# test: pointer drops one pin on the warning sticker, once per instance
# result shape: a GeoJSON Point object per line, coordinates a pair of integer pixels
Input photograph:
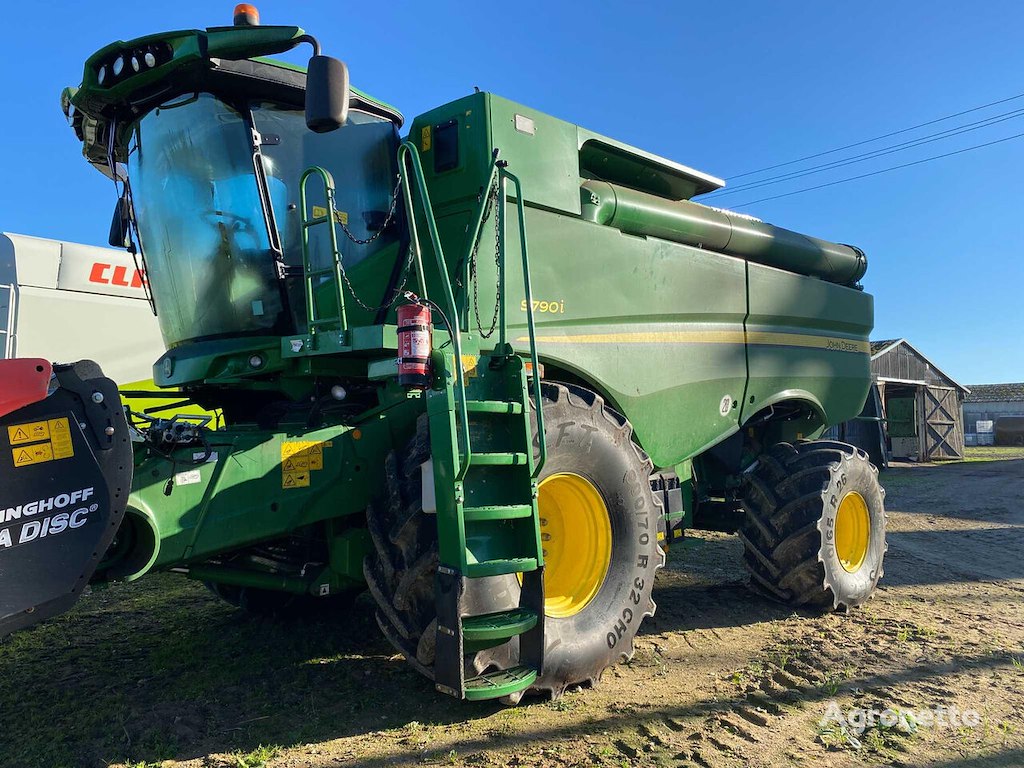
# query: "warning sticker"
{"type": "Point", "coordinates": [28, 433]}
{"type": "Point", "coordinates": [339, 216]}
{"type": "Point", "coordinates": [57, 436]}
{"type": "Point", "coordinates": [469, 363]}
{"type": "Point", "coordinates": [295, 479]}
{"type": "Point", "coordinates": [297, 463]}
{"type": "Point", "coordinates": [189, 477]}
{"type": "Point", "coordinates": [316, 456]}
{"type": "Point", "coordinates": [60, 438]}
{"type": "Point", "coordinates": [32, 454]}
{"type": "Point", "coordinates": [299, 458]}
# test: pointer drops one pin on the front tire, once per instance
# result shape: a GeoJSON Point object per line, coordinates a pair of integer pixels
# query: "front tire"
{"type": "Point", "coordinates": [587, 633]}
{"type": "Point", "coordinates": [814, 525]}
{"type": "Point", "coordinates": [593, 618]}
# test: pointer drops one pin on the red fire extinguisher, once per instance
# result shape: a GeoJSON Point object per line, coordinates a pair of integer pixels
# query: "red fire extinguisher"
{"type": "Point", "coordinates": [414, 346]}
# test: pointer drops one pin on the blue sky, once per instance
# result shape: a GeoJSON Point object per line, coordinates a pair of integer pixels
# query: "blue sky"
{"type": "Point", "coordinates": [723, 87]}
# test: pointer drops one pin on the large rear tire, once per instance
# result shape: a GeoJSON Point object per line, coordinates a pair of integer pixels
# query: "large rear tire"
{"type": "Point", "coordinates": [593, 619]}
{"type": "Point", "coordinates": [814, 525]}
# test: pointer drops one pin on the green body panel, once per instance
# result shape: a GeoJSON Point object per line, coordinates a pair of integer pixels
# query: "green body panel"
{"type": "Point", "coordinates": [684, 341]}
{"type": "Point", "coordinates": [247, 491]}
{"type": "Point", "coordinates": [652, 341]}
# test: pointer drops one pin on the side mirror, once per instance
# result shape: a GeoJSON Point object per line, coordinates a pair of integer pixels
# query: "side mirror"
{"type": "Point", "coordinates": [326, 94]}
{"type": "Point", "coordinates": [118, 237]}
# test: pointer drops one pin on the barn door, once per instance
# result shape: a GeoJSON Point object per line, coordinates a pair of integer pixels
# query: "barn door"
{"type": "Point", "coordinates": [943, 432]}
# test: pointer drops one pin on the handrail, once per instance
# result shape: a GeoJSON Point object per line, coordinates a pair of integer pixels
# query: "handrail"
{"type": "Point", "coordinates": [482, 211]}
{"type": "Point", "coordinates": [407, 153]}
{"type": "Point", "coordinates": [504, 175]}
{"type": "Point", "coordinates": [307, 268]}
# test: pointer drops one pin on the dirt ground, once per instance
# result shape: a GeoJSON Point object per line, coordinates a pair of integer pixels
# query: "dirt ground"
{"type": "Point", "coordinates": [160, 673]}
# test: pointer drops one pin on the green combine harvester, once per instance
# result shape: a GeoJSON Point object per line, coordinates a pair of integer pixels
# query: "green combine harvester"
{"type": "Point", "coordinates": [489, 372]}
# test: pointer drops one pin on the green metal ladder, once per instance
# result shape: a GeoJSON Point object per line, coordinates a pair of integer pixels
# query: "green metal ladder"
{"type": "Point", "coordinates": [485, 474]}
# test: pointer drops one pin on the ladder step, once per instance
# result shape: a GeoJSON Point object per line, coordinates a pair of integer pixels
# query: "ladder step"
{"type": "Point", "coordinates": [494, 685]}
{"type": "Point", "coordinates": [493, 406]}
{"type": "Point", "coordinates": [501, 625]}
{"type": "Point", "coordinates": [318, 272]}
{"type": "Point", "coordinates": [497, 512]}
{"type": "Point", "coordinates": [498, 459]}
{"type": "Point", "coordinates": [501, 567]}
{"type": "Point", "coordinates": [313, 222]}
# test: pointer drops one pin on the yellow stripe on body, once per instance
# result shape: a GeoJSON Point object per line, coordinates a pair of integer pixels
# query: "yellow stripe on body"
{"type": "Point", "coordinates": [758, 338]}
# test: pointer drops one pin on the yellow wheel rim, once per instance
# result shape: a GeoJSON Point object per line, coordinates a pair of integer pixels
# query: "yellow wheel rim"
{"type": "Point", "coordinates": [576, 533]}
{"type": "Point", "coordinates": [853, 531]}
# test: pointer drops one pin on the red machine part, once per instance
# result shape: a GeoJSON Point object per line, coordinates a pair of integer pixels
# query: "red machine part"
{"type": "Point", "coordinates": [414, 346]}
{"type": "Point", "coordinates": [23, 382]}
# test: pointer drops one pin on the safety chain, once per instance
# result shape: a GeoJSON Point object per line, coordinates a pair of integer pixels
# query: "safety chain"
{"type": "Point", "coordinates": [367, 241]}
{"type": "Point", "coordinates": [394, 297]}
{"type": "Point", "coordinates": [384, 226]}
{"type": "Point", "coordinates": [492, 204]}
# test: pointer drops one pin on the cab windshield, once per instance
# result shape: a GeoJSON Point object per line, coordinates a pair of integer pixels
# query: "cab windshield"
{"type": "Point", "coordinates": [203, 212]}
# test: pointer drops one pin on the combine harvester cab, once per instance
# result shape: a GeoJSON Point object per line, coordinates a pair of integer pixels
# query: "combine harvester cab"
{"type": "Point", "coordinates": [65, 475]}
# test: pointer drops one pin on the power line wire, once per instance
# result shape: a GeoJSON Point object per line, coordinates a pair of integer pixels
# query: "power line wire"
{"type": "Point", "coordinates": [876, 138]}
{"type": "Point", "coordinates": [883, 170]}
{"type": "Point", "coordinates": [901, 147]}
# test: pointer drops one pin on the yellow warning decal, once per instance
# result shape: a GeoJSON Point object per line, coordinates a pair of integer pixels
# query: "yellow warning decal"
{"type": "Point", "coordinates": [315, 457]}
{"type": "Point", "coordinates": [425, 139]}
{"type": "Point", "coordinates": [28, 433]}
{"type": "Point", "coordinates": [295, 480]}
{"type": "Point", "coordinates": [298, 459]}
{"type": "Point", "coordinates": [32, 454]}
{"type": "Point", "coordinates": [291, 448]}
{"type": "Point", "coordinates": [296, 463]}
{"type": "Point", "coordinates": [56, 434]}
{"type": "Point", "coordinates": [469, 363]}
{"type": "Point", "coordinates": [339, 216]}
{"type": "Point", "coordinates": [60, 438]}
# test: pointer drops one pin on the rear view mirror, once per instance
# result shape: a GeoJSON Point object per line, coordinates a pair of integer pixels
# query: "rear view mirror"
{"type": "Point", "coordinates": [118, 237]}
{"type": "Point", "coordinates": [326, 94]}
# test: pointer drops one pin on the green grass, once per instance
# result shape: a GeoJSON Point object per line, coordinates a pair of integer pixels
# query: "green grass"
{"type": "Point", "coordinates": [157, 670]}
{"type": "Point", "coordinates": [258, 758]}
{"type": "Point", "coordinates": [993, 453]}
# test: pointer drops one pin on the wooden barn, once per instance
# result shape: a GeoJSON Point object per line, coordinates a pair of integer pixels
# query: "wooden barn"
{"type": "Point", "coordinates": [913, 412]}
